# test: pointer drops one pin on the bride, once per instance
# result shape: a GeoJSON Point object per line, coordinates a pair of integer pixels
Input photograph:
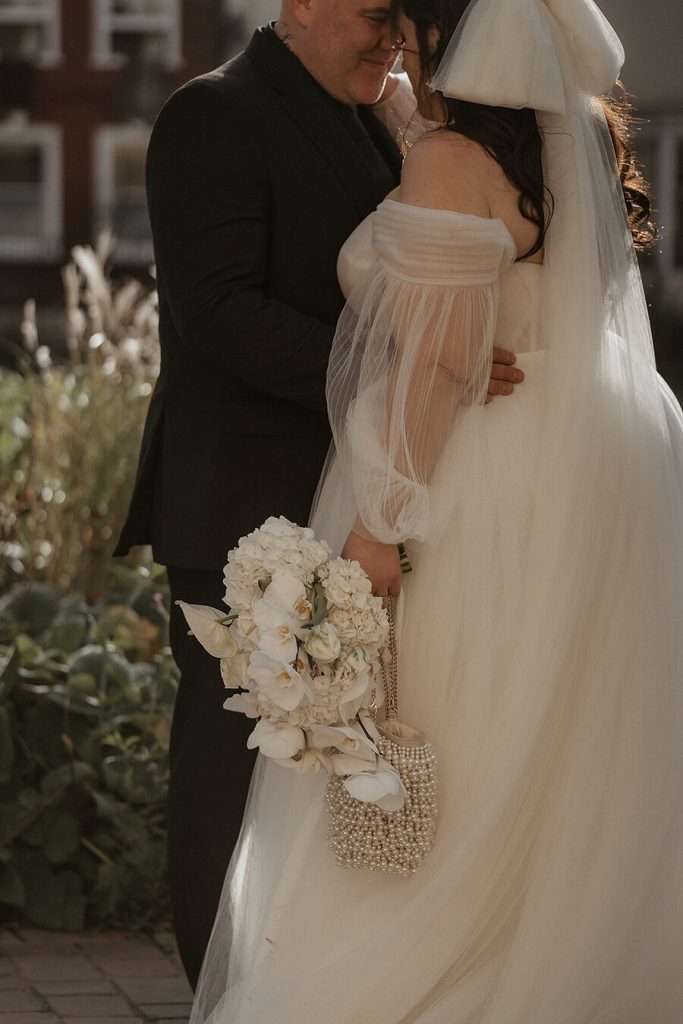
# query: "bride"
{"type": "Point", "coordinates": [540, 640]}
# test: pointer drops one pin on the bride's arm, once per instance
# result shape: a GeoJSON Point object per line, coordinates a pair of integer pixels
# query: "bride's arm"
{"type": "Point", "coordinates": [439, 353]}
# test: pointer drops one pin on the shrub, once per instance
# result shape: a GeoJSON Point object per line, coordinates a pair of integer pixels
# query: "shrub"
{"type": "Point", "coordinates": [86, 697]}
{"type": "Point", "coordinates": [70, 445]}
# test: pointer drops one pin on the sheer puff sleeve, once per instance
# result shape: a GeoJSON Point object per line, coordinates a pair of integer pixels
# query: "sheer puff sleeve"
{"type": "Point", "coordinates": [412, 348]}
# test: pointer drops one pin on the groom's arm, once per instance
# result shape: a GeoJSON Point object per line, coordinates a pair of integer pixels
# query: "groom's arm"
{"type": "Point", "coordinates": [209, 208]}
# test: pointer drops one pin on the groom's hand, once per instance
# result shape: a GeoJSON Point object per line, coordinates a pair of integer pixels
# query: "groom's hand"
{"type": "Point", "coordinates": [504, 374]}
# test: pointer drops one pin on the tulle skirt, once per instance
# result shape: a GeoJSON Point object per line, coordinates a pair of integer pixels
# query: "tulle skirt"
{"type": "Point", "coordinates": [554, 893]}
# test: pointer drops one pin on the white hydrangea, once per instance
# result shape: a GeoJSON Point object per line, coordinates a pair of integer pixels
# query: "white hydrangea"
{"type": "Point", "coordinates": [301, 646]}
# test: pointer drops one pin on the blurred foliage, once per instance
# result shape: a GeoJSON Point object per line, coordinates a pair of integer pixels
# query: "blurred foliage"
{"type": "Point", "coordinates": [86, 698]}
{"type": "Point", "coordinates": [71, 430]}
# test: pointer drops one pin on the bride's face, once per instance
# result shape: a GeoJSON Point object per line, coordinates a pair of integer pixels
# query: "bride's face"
{"type": "Point", "coordinates": [429, 105]}
{"type": "Point", "coordinates": [347, 45]}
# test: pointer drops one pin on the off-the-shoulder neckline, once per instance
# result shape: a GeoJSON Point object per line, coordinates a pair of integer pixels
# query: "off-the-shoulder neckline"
{"type": "Point", "coordinates": [461, 216]}
{"type": "Point", "coordinates": [450, 213]}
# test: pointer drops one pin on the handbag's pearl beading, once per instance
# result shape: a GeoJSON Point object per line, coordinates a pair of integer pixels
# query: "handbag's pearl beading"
{"type": "Point", "coordinates": [361, 835]}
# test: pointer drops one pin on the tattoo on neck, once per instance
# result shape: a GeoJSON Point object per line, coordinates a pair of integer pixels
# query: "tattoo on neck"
{"type": "Point", "coordinates": [283, 33]}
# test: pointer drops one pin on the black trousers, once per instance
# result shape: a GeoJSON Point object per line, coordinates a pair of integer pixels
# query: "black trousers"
{"type": "Point", "coordinates": [210, 773]}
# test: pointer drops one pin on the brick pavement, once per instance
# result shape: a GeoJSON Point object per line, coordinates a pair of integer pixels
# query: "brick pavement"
{"type": "Point", "coordinates": [90, 978]}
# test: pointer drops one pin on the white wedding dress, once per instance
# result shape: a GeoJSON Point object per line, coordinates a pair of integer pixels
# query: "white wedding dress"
{"type": "Point", "coordinates": [554, 893]}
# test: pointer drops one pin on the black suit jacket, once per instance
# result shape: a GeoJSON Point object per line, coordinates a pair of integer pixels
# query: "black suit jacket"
{"type": "Point", "coordinates": [253, 185]}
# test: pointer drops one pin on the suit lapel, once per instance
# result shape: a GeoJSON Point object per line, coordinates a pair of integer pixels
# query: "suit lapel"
{"type": "Point", "coordinates": [382, 140]}
{"type": "Point", "coordinates": [307, 104]}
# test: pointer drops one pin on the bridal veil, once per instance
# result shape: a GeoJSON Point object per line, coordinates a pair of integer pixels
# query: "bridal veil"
{"type": "Point", "coordinates": [556, 893]}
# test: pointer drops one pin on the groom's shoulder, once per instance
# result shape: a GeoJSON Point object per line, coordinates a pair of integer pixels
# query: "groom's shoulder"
{"type": "Point", "coordinates": [235, 88]}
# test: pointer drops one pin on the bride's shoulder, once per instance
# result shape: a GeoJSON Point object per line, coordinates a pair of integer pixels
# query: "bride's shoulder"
{"type": "Point", "coordinates": [445, 170]}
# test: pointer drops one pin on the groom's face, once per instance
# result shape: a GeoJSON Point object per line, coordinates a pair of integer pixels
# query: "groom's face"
{"type": "Point", "coordinates": [347, 47]}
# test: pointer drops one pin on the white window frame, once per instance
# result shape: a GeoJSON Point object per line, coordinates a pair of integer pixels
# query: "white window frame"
{"type": "Point", "coordinates": [49, 15]}
{"type": "Point", "coordinates": [666, 137]}
{"type": "Point", "coordinates": [107, 139]}
{"type": "Point", "coordinates": [105, 23]}
{"type": "Point", "coordinates": [50, 246]}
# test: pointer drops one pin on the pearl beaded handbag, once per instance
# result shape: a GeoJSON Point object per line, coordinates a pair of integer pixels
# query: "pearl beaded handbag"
{"type": "Point", "coordinates": [362, 835]}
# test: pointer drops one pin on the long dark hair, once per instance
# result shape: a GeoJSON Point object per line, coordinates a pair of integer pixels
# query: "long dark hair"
{"type": "Point", "coordinates": [512, 136]}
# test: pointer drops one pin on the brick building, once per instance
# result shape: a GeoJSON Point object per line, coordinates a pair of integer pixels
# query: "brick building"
{"type": "Point", "coordinates": [80, 84]}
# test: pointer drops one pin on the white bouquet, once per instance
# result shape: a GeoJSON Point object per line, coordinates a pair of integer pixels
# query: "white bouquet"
{"type": "Point", "coordinates": [302, 645]}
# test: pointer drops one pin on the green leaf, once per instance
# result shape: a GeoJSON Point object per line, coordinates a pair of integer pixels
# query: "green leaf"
{"type": "Point", "coordinates": [44, 729]}
{"type": "Point", "coordinates": [56, 782]}
{"type": "Point", "coordinates": [12, 889]}
{"type": "Point", "coordinates": [34, 606]}
{"type": "Point", "coordinates": [319, 610]}
{"type": "Point", "coordinates": [67, 634]}
{"type": "Point", "coordinates": [6, 746]}
{"type": "Point", "coordinates": [73, 915]}
{"type": "Point", "coordinates": [53, 899]}
{"type": "Point", "coordinates": [10, 662]}
{"type": "Point", "coordinates": [62, 836]}
{"type": "Point", "coordinates": [44, 901]}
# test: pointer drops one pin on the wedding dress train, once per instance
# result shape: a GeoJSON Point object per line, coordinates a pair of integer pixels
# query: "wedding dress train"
{"type": "Point", "coordinates": [551, 692]}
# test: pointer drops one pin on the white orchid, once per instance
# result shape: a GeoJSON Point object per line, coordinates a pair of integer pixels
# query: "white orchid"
{"type": "Point", "coordinates": [275, 632]}
{"type": "Point", "coordinates": [244, 703]}
{"type": "Point", "coordinates": [279, 681]}
{"type": "Point", "coordinates": [288, 594]}
{"type": "Point", "coordinates": [209, 627]}
{"type": "Point", "coordinates": [308, 687]}
{"type": "Point", "coordinates": [382, 786]}
{"type": "Point", "coordinates": [277, 740]}
{"type": "Point", "coordinates": [346, 739]}
{"type": "Point", "coordinates": [235, 671]}
{"type": "Point", "coordinates": [306, 760]}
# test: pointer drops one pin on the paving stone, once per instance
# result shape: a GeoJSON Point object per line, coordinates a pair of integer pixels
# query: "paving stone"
{"type": "Point", "coordinates": [52, 940]}
{"type": "Point", "coordinates": [168, 1011]}
{"type": "Point", "coordinates": [58, 968]}
{"type": "Point", "coordinates": [16, 1001]}
{"type": "Point", "coordinates": [76, 987]}
{"type": "Point", "coordinates": [122, 949]}
{"type": "Point", "coordinates": [156, 990]}
{"type": "Point", "coordinates": [89, 1006]}
{"type": "Point", "coordinates": [12, 981]}
{"type": "Point", "coordinates": [144, 968]}
{"type": "Point", "coordinates": [28, 1018]}
{"type": "Point", "coordinates": [166, 940]}
{"type": "Point", "coordinates": [104, 1020]}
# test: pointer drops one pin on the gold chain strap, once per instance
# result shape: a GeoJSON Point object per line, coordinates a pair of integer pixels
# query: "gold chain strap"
{"type": "Point", "coordinates": [390, 674]}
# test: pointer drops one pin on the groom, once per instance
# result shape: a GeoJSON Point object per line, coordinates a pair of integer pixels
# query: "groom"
{"type": "Point", "coordinates": [257, 173]}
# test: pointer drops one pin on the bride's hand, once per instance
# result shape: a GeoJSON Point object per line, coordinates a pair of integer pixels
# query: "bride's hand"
{"type": "Point", "coordinates": [380, 561]}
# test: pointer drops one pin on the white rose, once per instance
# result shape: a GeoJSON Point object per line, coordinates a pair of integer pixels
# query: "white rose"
{"type": "Point", "coordinates": [323, 643]}
{"type": "Point", "coordinates": [278, 741]}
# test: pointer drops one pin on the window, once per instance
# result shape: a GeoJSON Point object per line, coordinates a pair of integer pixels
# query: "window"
{"type": "Point", "coordinates": [30, 31]}
{"type": "Point", "coordinates": [30, 192]}
{"type": "Point", "coordinates": [121, 202]}
{"type": "Point", "coordinates": [660, 149]}
{"type": "Point", "coordinates": [137, 30]}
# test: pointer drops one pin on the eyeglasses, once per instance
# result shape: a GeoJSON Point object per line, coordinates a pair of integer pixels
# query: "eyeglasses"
{"type": "Point", "coordinates": [399, 46]}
